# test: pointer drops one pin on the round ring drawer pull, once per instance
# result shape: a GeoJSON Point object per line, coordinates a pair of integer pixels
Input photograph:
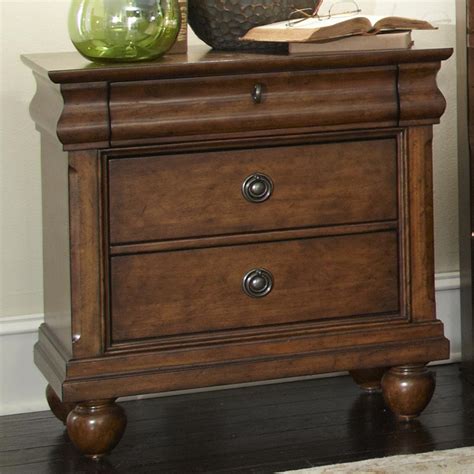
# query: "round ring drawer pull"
{"type": "Point", "coordinates": [257, 188]}
{"type": "Point", "coordinates": [257, 283]}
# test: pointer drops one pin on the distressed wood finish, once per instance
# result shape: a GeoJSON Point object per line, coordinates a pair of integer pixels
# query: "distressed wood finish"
{"type": "Point", "coordinates": [149, 236]}
{"type": "Point", "coordinates": [420, 223]}
{"type": "Point", "coordinates": [172, 197]}
{"type": "Point", "coordinates": [420, 98]}
{"type": "Point", "coordinates": [201, 290]}
{"type": "Point", "coordinates": [87, 273]}
{"type": "Point", "coordinates": [387, 88]}
{"type": "Point", "coordinates": [84, 122]}
{"type": "Point", "coordinates": [225, 105]}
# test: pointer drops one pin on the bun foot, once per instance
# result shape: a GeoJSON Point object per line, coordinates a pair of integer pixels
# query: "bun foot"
{"type": "Point", "coordinates": [368, 380]}
{"type": "Point", "coordinates": [96, 427]}
{"type": "Point", "coordinates": [407, 390]}
{"type": "Point", "coordinates": [60, 409]}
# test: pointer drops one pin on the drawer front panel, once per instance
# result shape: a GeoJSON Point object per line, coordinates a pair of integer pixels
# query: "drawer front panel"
{"type": "Point", "coordinates": [201, 194]}
{"type": "Point", "coordinates": [151, 110]}
{"type": "Point", "coordinates": [192, 291]}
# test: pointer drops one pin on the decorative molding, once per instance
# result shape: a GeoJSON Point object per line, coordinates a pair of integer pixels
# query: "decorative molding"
{"type": "Point", "coordinates": [19, 332]}
{"type": "Point", "coordinates": [84, 122]}
{"type": "Point", "coordinates": [421, 101]}
{"type": "Point", "coordinates": [448, 281]}
{"type": "Point", "coordinates": [97, 107]}
{"type": "Point", "coordinates": [23, 324]}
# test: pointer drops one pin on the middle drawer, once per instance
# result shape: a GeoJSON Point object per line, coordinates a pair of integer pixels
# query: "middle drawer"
{"type": "Point", "coordinates": [239, 191]}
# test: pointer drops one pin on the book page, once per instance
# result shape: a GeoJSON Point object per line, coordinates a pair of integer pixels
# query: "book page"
{"type": "Point", "coordinates": [315, 23]}
{"type": "Point", "coordinates": [395, 22]}
{"type": "Point", "coordinates": [315, 29]}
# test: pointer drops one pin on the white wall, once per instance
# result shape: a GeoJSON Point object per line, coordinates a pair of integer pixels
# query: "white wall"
{"type": "Point", "coordinates": [40, 26]}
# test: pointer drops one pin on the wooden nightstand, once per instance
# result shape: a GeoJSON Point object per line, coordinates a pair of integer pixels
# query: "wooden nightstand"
{"type": "Point", "coordinates": [223, 218]}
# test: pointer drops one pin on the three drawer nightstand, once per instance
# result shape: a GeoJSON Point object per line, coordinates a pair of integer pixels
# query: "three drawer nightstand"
{"type": "Point", "coordinates": [222, 218]}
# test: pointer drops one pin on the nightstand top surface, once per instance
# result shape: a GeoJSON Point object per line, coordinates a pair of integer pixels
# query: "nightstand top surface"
{"type": "Point", "coordinates": [70, 67]}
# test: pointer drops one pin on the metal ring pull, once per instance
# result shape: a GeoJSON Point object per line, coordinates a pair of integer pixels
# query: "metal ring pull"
{"type": "Point", "coordinates": [257, 283]}
{"type": "Point", "coordinates": [257, 188]}
{"type": "Point", "coordinates": [257, 93]}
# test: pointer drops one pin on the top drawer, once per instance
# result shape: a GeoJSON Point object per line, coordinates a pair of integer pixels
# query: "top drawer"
{"type": "Point", "coordinates": [152, 110]}
{"type": "Point", "coordinates": [205, 194]}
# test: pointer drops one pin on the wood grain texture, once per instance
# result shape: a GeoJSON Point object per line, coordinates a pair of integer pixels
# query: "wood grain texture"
{"type": "Point", "coordinates": [202, 361]}
{"type": "Point", "coordinates": [87, 265]}
{"type": "Point", "coordinates": [420, 227]}
{"type": "Point", "coordinates": [84, 122]}
{"type": "Point", "coordinates": [177, 196]}
{"type": "Point", "coordinates": [201, 62]}
{"type": "Point", "coordinates": [263, 368]}
{"type": "Point", "coordinates": [252, 237]}
{"type": "Point", "coordinates": [407, 390]}
{"type": "Point", "coordinates": [160, 236]}
{"type": "Point", "coordinates": [162, 294]}
{"type": "Point", "coordinates": [96, 426]}
{"type": "Point", "coordinates": [250, 345]}
{"type": "Point", "coordinates": [152, 109]}
{"type": "Point", "coordinates": [420, 100]}
{"type": "Point", "coordinates": [387, 89]}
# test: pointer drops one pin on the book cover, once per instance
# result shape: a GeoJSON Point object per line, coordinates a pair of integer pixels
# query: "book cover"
{"type": "Point", "coordinates": [181, 45]}
{"type": "Point", "coordinates": [400, 40]}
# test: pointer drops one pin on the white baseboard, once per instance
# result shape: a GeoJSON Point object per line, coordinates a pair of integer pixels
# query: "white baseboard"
{"type": "Point", "coordinates": [22, 385]}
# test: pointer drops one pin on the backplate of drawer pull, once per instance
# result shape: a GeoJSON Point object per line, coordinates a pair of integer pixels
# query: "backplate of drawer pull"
{"type": "Point", "coordinates": [257, 188]}
{"type": "Point", "coordinates": [257, 283]}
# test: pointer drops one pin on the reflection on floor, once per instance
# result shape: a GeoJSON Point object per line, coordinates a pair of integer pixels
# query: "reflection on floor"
{"type": "Point", "coordinates": [250, 430]}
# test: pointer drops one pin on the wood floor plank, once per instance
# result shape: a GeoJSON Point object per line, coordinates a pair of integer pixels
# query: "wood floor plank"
{"type": "Point", "coordinates": [253, 430]}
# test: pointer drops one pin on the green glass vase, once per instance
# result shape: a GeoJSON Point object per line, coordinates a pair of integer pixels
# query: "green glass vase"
{"type": "Point", "coordinates": [123, 30]}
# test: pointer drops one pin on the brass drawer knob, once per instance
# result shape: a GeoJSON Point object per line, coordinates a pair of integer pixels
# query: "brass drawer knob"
{"type": "Point", "coordinates": [257, 188]}
{"type": "Point", "coordinates": [257, 283]}
{"type": "Point", "coordinates": [257, 93]}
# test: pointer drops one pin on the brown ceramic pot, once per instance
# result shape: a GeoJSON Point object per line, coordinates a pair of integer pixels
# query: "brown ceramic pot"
{"type": "Point", "coordinates": [220, 23]}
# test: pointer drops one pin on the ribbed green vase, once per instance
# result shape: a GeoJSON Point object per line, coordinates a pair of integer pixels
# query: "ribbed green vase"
{"type": "Point", "coordinates": [123, 30]}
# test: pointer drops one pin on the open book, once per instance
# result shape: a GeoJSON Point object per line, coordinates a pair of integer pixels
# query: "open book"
{"type": "Point", "coordinates": [314, 29]}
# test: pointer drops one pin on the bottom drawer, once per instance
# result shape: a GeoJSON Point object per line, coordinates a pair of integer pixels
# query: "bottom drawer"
{"type": "Point", "coordinates": [191, 291]}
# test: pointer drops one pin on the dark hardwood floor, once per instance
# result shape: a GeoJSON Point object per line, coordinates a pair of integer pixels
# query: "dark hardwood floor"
{"type": "Point", "coordinates": [261, 429]}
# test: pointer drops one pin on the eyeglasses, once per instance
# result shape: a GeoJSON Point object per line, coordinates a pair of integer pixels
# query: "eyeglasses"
{"type": "Point", "coordinates": [338, 9]}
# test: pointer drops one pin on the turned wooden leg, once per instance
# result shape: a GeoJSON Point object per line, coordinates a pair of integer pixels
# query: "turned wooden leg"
{"type": "Point", "coordinates": [407, 390]}
{"type": "Point", "coordinates": [369, 380]}
{"type": "Point", "coordinates": [60, 409]}
{"type": "Point", "coordinates": [95, 427]}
